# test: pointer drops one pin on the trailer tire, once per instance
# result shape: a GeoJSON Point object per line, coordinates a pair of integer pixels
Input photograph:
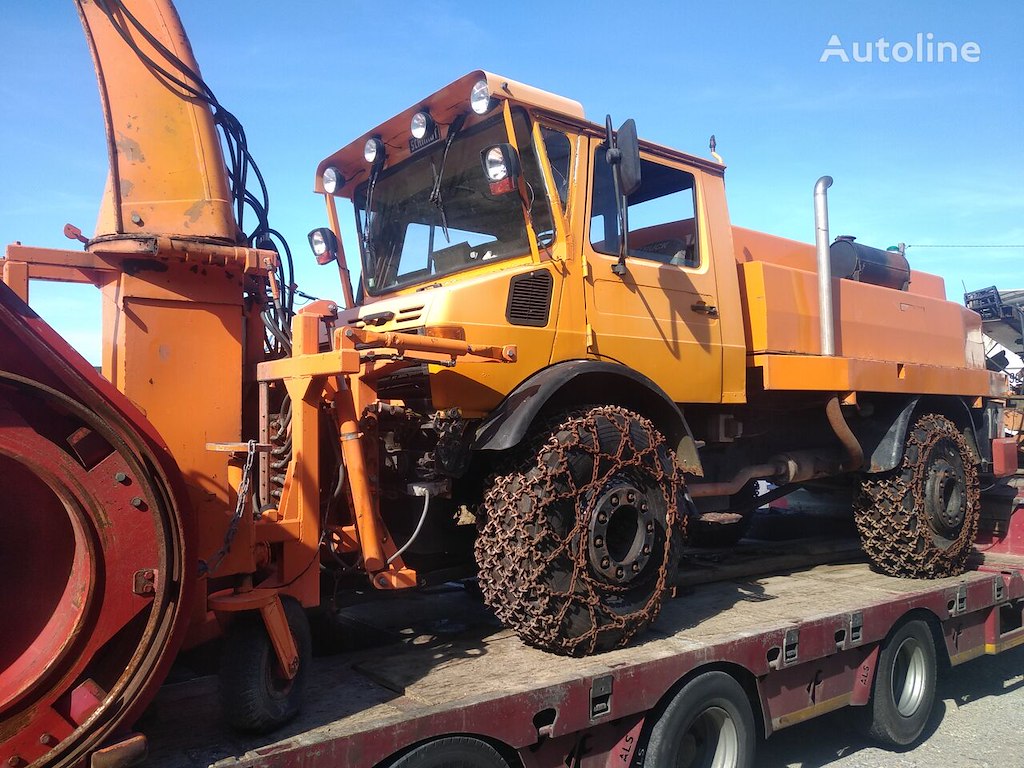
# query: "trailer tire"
{"type": "Point", "coordinates": [920, 520]}
{"type": "Point", "coordinates": [578, 544]}
{"type": "Point", "coordinates": [255, 696]}
{"type": "Point", "coordinates": [903, 692]}
{"type": "Point", "coordinates": [709, 723]}
{"type": "Point", "coordinates": [452, 752]}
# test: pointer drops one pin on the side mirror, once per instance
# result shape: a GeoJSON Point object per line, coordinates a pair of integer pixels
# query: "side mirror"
{"type": "Point", "coordinates": [629, 161]}
{"type": "Point", "coordinates": [501, 168]}
{"type": "Point", "coordinates": [324, 244]}
{"type": "Point", "coordinates": [623, 155]}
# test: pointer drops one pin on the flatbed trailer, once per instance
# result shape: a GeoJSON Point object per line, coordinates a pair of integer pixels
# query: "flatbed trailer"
{"type": "Point", "coordinates": [799, 644]}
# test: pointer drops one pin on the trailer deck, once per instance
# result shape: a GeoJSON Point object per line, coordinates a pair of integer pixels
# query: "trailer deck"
{"type": "Point", "coordinates": [803, 643]}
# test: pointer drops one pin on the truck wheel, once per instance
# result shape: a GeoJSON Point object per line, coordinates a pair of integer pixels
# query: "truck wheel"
{"type": "Point", "coordinates": [709, 723]}
{"type": "Point", "coordinates": [255, 694]}
{"type": "Point", "coordinates": [578, 544]}
{"type": "Point", "coordinates": [904, 688]}
{"type": "Point", "coordinates": [452, 752]}
{"type": "Point", "coordinates": [711, 530]}
{"type": "Point", "coordinates": [919, 520]}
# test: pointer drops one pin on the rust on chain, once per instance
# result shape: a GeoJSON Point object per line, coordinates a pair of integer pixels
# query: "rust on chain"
{"type": "Point", "coordinates": [532, 550]}
{"type": "Point", "coordinates": [893, 514]}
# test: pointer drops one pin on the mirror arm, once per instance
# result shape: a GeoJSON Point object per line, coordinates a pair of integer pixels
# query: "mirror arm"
{"type": "Point", "coordinates": [613, 156]}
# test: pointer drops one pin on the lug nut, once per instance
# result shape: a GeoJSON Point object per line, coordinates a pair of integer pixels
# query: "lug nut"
{"type": "Point", "coordinates": [605, 562]}
{"type": "Point", "coordinates": [619, 573]}
{"type": "Point", "coordinates": [598, 541]}
{"type": "Point", "coordinates": [643, 507]}
{"type": "Point", "coordinates": [602, 517]}
{"type": "Point", "coordinates": [121, 477]}
{"type": "Point", "coordinates": [615, 500]}
{"type": "Point", "coordinates": [650, 527]}
{"type": "Point", "coordinates": [636, 567]}
{"type": "Point", "coordinates": [630, 497]}
{"type": "Point", "coordinates": [647, 550]}
{"type": "Point", "coordinates": [137, 502]}
{"type": "Point", "coordinates": [47, 739]}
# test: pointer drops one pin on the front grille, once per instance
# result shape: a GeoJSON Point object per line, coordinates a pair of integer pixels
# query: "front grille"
{"type": "Point", "coordinates": [529, 298]}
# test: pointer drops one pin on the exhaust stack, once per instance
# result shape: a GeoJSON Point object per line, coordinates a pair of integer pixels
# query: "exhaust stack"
{"type": "Point", "coordinates": [821, 242]}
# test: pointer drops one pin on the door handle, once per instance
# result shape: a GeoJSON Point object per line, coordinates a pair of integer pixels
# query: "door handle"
{"type": "Point", "coordinates": [705, 309]}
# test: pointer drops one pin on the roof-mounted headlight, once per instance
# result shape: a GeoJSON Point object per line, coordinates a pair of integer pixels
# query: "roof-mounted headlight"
{"type": "Point", "coordinates": [421, 125]}
{"type": "Point", "coordinates": [480, 97]}
{"type": "Point", "coordinates": [332, 180]}
{"type": "Point", "coordinates": [373, 150]}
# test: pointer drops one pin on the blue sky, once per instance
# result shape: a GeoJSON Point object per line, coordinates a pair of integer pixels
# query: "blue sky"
{"type": "Point", "coordinates": [921, 153]}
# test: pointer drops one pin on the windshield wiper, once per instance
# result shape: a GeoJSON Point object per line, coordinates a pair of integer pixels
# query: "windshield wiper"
{"type": "Point", "coordinates": [435, 192]}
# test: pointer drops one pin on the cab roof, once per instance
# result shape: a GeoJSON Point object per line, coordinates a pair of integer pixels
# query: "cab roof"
{"type": "Point", "coordinates": [452, 100]}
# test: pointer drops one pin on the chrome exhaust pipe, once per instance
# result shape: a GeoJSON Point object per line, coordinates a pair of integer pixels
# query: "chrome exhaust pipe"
{"type": "Point", "coordinates": [821, 242]}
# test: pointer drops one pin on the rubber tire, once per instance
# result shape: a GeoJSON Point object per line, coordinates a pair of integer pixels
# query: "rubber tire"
{"type": "Point", "coordinates": [710, 694]}
{"type": "Point", "coordinates": [703, 534]}
{"type": "Point", "coordinates": [579, 628]}
{"type": "Point", "coordinates": [249, 697]}
{"type": "Point", "coordinates": [886, 503]}
{"type": "Point", "coordinates": [452, 752]}
{"type": "Point", "coordinates": [882, 721]}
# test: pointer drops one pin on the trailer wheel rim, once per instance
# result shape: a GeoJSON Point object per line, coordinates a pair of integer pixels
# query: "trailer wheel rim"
{"type": "Point", "coordinates": [909, 677]}
{"type": "Point", "coordinates": [710, 741]}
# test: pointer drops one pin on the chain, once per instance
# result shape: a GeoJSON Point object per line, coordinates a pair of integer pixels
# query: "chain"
{"type": "Point", "coordinates": [243, 494]}
{"type": "Point", "coordinates": [535, 571]}
{"type": "Point", "coordinates": [894, 516]}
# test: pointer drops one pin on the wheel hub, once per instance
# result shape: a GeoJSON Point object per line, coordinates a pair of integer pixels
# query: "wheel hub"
{"type": "Point", "coordinates": [622, 532]}
{"type": "Point", "coordinates": [944, 497]}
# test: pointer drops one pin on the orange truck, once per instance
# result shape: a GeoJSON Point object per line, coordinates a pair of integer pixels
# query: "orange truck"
{"type": "Point", "coordinates": [561, 360]}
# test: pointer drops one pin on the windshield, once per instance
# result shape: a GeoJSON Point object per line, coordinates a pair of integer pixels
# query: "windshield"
{"type": "Point", "coordinates": [412, 235]}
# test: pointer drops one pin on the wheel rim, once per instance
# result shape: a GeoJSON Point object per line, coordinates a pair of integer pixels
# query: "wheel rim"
{"type": "Point", "coordinates": [944, 493]}
{"type": "Point", "coordinates": [909, 677]}
{"type": "Point", "coordinates": [622, 532]}
{"type": "Point", "coordinates": [711, 741]}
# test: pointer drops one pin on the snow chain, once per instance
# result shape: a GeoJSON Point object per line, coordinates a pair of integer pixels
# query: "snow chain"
{"type": "Point", "coordinates": [532, 551]}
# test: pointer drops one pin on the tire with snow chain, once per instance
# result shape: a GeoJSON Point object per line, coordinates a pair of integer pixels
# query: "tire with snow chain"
{"type": "Point", "coordinates": [920, 520]}
{"type": "Point", "coordinates": [579, 541]}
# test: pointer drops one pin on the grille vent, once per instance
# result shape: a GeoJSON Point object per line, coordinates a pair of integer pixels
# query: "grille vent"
{"type": "Point", "coordinates": [529, 298]}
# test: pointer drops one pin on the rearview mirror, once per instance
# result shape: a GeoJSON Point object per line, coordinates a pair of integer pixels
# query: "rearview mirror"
{"type": "Point", "coordinates": [623, 155]}
{"type": "Point", "coordinates": [629, 157]}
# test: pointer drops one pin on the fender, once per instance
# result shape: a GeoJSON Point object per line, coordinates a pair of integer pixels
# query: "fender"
{"type": "Point", "coordinates": [576, 382]}
{"type": "Point", "coordinates": [884, 436]}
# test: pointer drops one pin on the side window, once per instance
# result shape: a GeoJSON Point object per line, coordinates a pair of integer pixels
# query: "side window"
{"type": "Point", "coordinates": [557, 147]}
{"type": "Point", "coordinates": [662, 214]}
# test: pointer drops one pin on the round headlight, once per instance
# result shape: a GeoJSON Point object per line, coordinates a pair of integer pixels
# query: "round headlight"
{"type": "Point", "coordinates": [420, 125]}
{"type": "Point", "coordinates": [480, 97]}
{"type": "Point", "coordinates": [494, 164]}
{"type": "Point", "coordinates": [373, 150]}
{"type": "Point", "coordinates": [333, 180]}
{"type": "Point", "coordinates": [318, 243]}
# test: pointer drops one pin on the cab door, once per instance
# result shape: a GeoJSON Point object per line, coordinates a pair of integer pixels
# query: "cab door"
{"type": "Point", "coordinates": [661, 316]}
